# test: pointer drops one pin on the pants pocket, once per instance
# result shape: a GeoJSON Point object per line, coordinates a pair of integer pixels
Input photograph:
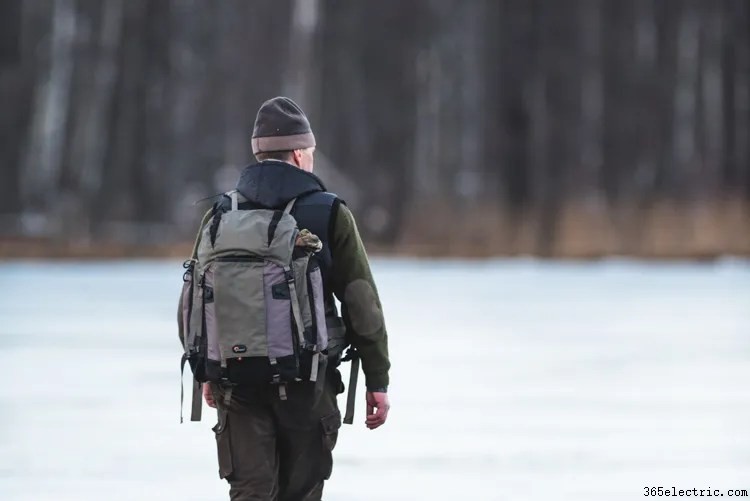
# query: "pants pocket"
{"type": "Point", "coordinates": [223, 444]}
{"type": "Point", "coordinates": [331, 424]}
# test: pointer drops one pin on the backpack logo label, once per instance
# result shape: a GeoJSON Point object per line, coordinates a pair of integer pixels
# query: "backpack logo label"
{"type": "Point", "coordinates": [239, 348]}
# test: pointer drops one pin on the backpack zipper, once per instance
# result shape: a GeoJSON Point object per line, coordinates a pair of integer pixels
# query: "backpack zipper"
{"type": "Point", "coordinates": [239, 259]}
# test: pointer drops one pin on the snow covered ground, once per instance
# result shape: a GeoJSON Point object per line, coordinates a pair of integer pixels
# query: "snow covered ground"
{"type": "Point", "coordinates": [514, 380]}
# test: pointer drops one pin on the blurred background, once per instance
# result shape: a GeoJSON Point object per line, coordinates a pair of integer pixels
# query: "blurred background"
{"type": "Point", "coordinates": [578, 128]}
{"type": "Point", "coordinates": [522, 132]}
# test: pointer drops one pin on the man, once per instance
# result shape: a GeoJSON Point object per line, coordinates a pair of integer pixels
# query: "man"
{"type": "Point", "coordinates": [274, 449]}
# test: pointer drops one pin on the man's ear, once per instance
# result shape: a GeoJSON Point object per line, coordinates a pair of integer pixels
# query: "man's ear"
{"type": "Point", "coordinates": [297, 157]}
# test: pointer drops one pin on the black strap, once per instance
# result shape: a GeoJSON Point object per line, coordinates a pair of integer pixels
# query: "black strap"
{"type": "Point", "coordinates": [197, 407]}
{"type": "Point", "coordinates": [214, 229]}
{"type": "Point", "coordinates": [182, 388]}
{"type": "Point", "coordinates": [351, 397]}
{"type": "Point", "coordinates": [273, 224]}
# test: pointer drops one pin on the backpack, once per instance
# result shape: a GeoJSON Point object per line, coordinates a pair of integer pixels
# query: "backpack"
{"type": "Point", "coordinates": [253, 308]}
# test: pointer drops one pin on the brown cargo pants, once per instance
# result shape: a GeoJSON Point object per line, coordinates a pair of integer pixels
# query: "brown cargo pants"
{"type": "Point", "coordinates": [278, 450]}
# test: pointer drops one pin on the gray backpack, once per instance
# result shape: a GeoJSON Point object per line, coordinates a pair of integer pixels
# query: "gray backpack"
{"type": "Point", "coordinates": [252, 300]}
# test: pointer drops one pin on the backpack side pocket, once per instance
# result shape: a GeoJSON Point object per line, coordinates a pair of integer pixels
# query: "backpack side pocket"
{"type": "Point", "coordinates": [281, 342]}
{"type": "Point", "coordinates": [186, 304]}
{"type": "Point", "coordinates": [305, 331]}
{"type": "Point", "coordinates": [194, 314]}
{"type": "Point", "coordinates": [317, 306]}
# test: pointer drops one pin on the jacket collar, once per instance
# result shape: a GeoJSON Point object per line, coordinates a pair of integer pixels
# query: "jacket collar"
{"type": "Point", "coordinates": [273, 183]}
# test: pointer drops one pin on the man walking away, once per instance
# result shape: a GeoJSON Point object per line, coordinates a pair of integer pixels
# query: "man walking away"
{"type": "Point", "coordinates": [275, 440]}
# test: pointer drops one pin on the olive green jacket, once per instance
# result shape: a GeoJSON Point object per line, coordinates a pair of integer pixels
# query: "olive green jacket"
{"type": "Point", "coordinates": [354, 287]}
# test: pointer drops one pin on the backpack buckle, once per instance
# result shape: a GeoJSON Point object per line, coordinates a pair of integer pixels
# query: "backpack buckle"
{"type": "Point", "coordinates": [189, 265]}
{"type": "Point", "coordinates": [351, 354]}
{"type": "Point", "coordinates": [309, 346]}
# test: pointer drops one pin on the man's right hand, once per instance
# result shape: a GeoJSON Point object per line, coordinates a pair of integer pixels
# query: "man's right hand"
{"type": "Point", "coordinates": [208, 395]}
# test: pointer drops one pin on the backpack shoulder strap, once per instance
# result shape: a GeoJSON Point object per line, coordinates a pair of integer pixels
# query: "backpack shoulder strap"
{"type": "Point", "coordinates": [204, 220]}
{"type": "Point", "coordinates": [235, 198]}
{"type": "Point", "coordinates": [290, 206]}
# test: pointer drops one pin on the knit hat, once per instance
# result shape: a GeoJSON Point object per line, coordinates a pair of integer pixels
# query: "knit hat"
{"type": "Point", "coordinates": [281, 125]}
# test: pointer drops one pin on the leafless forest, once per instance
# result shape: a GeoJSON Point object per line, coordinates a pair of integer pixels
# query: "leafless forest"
{"type": "Point", "coordinates": [452, 127]}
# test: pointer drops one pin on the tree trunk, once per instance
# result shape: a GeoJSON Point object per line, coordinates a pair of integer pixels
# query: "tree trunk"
{"type": "Point", "coordinates": [47, 134]}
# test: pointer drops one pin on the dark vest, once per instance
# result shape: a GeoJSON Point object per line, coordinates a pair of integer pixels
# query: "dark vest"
{"type": "Point", "coordinates": [315, 213]}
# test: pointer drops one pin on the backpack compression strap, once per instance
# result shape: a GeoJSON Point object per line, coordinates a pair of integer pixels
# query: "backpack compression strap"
{"type": "Point", "coordinates": [353, 356]}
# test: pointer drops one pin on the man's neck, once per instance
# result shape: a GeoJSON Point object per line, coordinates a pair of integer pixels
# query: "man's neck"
{"type": "Point", "coordinates": [279, 160]}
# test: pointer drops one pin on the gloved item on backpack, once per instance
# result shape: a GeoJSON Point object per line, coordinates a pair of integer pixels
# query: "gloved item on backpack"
{"type": "Point", "coordinates": [309, 241]}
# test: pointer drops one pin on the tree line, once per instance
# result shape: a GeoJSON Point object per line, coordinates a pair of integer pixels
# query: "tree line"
{"type": "Point", "coordinates": [577, 127]}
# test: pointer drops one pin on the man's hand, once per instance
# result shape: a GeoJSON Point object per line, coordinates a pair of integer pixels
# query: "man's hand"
{"type": "Point", "coordinates": [377, 409]}
{"type": "Point", "coordinates": [208, 395]}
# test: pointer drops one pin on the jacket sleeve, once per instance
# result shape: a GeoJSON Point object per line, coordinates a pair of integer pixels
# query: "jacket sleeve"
{"type": "Point", "coordinates": [355, 288]}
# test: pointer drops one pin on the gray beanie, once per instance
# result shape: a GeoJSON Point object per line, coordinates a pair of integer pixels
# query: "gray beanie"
{"type": "Point", "coordinates": [281, 125]}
